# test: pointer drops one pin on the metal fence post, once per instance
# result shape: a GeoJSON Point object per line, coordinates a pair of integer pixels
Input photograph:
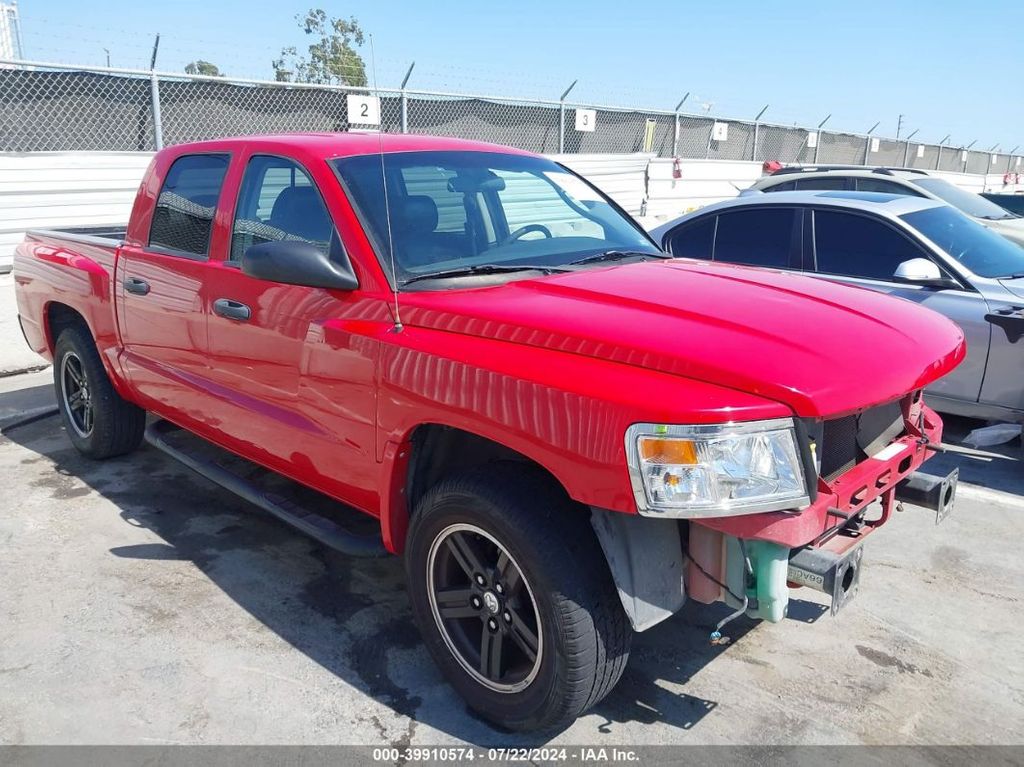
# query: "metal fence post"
{"type": "Point", "coordinates": [938, 155]}
{"type": "Point", "coordinates": [1009, 158]}
{"type": "Point", "coordinates": [906, 153]}
{"type": "Point", "coordinates": [867, 142]}
{"type": "Point", "coordinates": [561, 118]}
{"type": "Point", "coordinates": [154, 97]}
{"type": "Point", "coordinates": [405, 100]}
{"type": "Point", "coordinates": [675, 136]}
{"type": "Point", "coordinates": [757, 126]}
{"type": "Point", "coordinates": [817, 141]}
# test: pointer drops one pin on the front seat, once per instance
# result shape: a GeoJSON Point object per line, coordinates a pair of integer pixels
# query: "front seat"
{"type": "Point", "coordinates": [298, 211]}
{"type": "Point", "coordinates": [415, 232]}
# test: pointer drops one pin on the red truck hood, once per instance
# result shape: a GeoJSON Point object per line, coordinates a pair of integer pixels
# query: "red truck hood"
{"type": "Point", "coordinates": [822, 348]}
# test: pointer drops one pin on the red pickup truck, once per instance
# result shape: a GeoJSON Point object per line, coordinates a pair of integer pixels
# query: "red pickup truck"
{"type": "Point", "coordinates": [564, 432]}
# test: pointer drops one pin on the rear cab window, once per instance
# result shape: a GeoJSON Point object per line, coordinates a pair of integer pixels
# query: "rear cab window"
{"type": "Point", "coordinates": [183, 216]}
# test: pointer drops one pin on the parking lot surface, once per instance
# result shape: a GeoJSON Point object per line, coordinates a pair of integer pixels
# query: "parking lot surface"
{"type": "Point", "coordinates": [142, 604]}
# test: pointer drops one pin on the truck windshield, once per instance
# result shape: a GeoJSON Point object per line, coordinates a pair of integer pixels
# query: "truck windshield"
{"type": "Point", "coordinates": [978, 248]}
{"type": "Point", "coordinates": [452, 211]}
{"type": "Point", "coordinates": [970, 203]}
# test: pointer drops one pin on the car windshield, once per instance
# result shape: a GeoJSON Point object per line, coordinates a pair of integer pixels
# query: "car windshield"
{"type": "Point", "coordinates": [979, 249]}
{"type": "Point", "coordinates": [459, 211]}
{"type": "Point", "coordinates": [970, 203]}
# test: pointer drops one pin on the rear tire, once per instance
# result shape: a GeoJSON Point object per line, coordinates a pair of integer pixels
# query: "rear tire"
{"type": "Point", "coordinates": [543, 584]}
{"type": "Point", "coordinates": [100, 423]}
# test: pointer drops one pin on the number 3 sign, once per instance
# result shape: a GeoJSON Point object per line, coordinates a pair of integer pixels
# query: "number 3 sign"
{"type": "Point", "coordinates": [585, 119]}
{"type": "Point", "coordinates": [363, 110]}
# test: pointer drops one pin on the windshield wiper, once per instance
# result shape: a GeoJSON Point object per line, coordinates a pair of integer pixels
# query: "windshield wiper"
{"type": "Point", "coordinates": [469, 271]}
{"type": "Point", "coordinates": [616, 255]}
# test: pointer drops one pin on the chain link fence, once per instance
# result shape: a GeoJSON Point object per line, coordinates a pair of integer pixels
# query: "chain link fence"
{"type": "Point", "coordinates": [49, 107]}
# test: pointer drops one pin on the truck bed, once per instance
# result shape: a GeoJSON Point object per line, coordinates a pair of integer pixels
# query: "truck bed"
{"type": "Point", "coordinates": [107, 236]}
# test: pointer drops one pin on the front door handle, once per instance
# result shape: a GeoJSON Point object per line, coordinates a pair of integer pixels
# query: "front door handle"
{"type": "Point", "coordinates": [136, 286]}
{"type": "Point", "coordinates": [233, 310]}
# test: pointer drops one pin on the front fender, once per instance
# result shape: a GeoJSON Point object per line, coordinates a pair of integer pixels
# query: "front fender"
{"type": "Point", "coordinates": [567, 412]}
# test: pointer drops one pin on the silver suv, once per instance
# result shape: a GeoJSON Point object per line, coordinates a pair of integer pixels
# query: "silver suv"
{"type": "Point", "coordinates": [911, 247]}
{"type": "Point", "coordinates": [909, 181]}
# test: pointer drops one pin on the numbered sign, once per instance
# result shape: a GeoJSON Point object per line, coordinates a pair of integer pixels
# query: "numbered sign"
{"type": "Point", "coordinates": [812, 139]}
{"type": "Point", "coordinates": [963, 156]}
{"type": "Point", "coordinates": [1018, 162]}
{"type": "Point", "coordinates": [586, 119]}
{"type": "Point", "coordinates": [920, 150]}
{"type": "Point", "coordinates": [995, 157]}
{"type": "Point", "coordinates": [874, 145]}
{"type": "Point", "coordinates": [363, 110]}
{"type": "Point", "coordinates": [720, 132]}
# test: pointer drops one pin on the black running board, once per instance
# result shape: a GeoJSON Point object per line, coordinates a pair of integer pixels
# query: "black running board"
{"type": "Point", "coordinates": [315, 526]}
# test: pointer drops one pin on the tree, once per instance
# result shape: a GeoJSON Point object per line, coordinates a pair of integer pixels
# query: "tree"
{"type": "Point", "coordinates": [333, 59]}
{"type": "Point", "coordinates": [200, 67]}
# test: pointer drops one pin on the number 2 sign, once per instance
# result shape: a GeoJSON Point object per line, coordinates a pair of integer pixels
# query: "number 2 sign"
{"type": "Point", "coordinates": [363, 110]}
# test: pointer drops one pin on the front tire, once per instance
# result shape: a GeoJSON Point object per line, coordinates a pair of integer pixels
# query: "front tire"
{"type": "Point", "coordinates": [513, 596]}
{"type": "Point", "coordinates": [100, 423]}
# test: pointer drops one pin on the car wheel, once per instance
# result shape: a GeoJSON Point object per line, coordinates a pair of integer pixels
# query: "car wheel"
{"type": "Point", "coordinates": [514, 598]}
{"type": "Point", "coordinates": [100, 423]}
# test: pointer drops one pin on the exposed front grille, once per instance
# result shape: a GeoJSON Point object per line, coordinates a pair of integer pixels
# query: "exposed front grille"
{"type": "Point", "coordinates": [849, 440]}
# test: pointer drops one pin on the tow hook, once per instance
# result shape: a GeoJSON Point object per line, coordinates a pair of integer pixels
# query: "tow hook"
{"type": "Point", "coordinates": [837, 575]}
{"type": "Point", "coordinates": [931, 492]}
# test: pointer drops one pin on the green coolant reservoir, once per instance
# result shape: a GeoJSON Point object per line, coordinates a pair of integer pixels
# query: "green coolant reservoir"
{"type": "Point", "coordinates": [770, 563]}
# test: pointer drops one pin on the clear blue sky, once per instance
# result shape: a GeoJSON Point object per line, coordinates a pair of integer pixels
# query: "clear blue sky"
{"type": "Point", "coordinates": [949, 66]}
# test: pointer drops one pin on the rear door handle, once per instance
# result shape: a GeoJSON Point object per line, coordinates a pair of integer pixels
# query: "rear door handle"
{"type": "Point", "coordinates": [233, 310]}
{"type": "Point", "coordinates": [136, 286]}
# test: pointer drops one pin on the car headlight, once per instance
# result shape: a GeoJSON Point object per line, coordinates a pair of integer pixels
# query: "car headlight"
{"type": "Point", "coordinates": [716, 470]}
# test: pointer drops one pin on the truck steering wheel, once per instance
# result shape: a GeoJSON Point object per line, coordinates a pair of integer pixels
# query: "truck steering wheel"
{"type": "Point", "coordinates": [524, 230]}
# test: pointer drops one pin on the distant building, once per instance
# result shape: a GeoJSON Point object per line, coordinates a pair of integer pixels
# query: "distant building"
{"type": "Point", "coordinates": [10, 31]}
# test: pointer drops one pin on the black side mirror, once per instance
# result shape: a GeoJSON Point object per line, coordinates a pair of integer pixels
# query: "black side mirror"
{"type": "Point", "coordinates": [297, 262]}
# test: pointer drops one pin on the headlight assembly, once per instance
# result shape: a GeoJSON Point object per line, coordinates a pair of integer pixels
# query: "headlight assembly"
{"type": "Point", "coordinates": [716, 470]}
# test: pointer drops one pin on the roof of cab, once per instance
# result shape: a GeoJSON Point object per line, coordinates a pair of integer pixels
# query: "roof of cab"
{"type": "Point", "coordinates": [331, 145]}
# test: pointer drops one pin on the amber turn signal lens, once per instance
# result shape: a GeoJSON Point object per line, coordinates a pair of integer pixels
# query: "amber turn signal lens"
{"type": "Point", "coordinates": [681, 452]}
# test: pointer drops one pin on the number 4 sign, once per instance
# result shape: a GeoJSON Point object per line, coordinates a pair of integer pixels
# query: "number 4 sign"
{"type": "Point", "coordinates": [363, 110]}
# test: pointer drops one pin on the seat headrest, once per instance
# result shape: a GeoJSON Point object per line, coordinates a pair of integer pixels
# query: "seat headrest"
{"type": "Point", "coordinates": [298, 211]}
{"type": "Point", "coordinates": [418, 214]}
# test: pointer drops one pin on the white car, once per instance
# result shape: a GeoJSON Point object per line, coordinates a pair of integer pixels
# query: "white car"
{"type": "Point", "coordinates": [908, 181]}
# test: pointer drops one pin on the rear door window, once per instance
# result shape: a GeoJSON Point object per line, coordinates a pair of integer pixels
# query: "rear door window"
{"type": "Point", "coordinates": [852, 245]}
{"type": "Point", "coordinates": [184, 211]}
{"type": "Point", "coordinates": [694, 240]}
{"type": "Point", "coordinates": [758, 237]}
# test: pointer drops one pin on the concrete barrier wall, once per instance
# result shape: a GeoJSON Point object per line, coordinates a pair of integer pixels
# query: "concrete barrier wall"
{"type": "Point", "coordinates": [41, 189]}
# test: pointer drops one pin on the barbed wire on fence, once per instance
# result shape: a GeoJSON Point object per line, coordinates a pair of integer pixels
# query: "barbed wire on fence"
{"type": "Point", "coordinates": [53, 107]}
